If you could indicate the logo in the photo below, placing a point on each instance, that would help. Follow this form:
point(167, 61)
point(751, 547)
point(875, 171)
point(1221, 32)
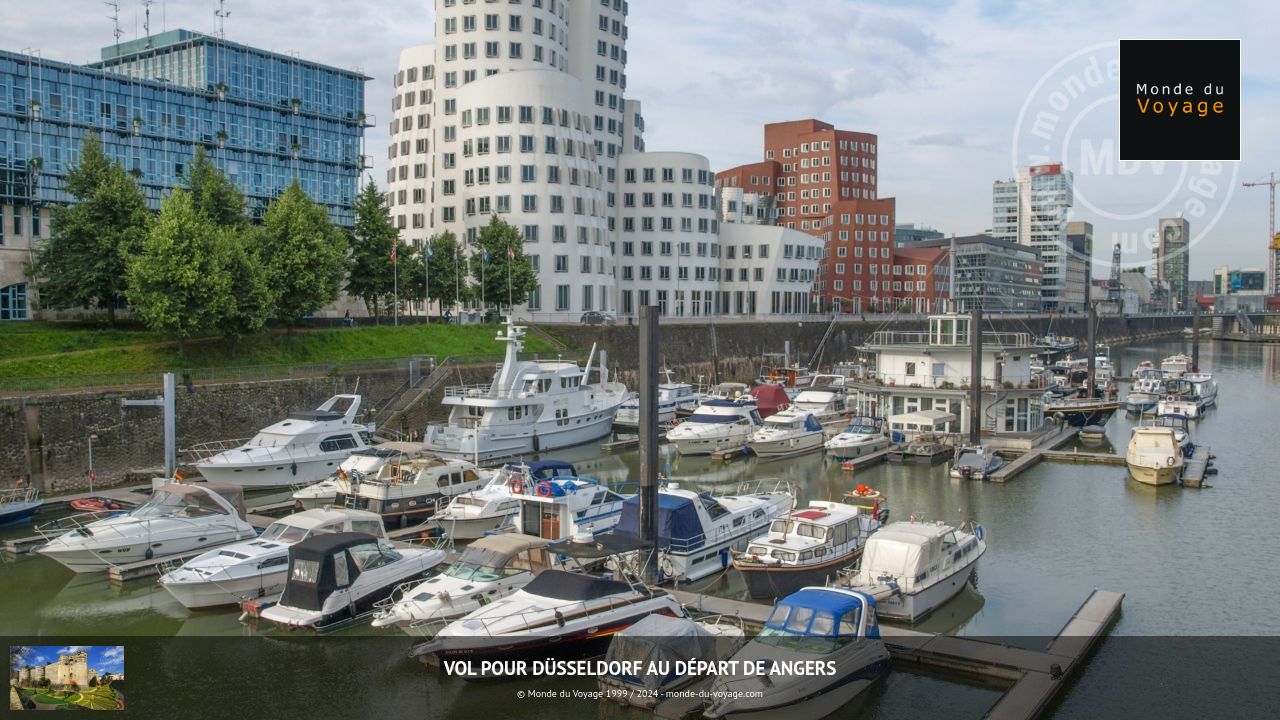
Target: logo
point(1070, 123)
point(1180, 99)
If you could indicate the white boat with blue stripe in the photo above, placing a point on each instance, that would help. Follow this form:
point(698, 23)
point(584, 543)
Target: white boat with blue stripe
point(555, 503)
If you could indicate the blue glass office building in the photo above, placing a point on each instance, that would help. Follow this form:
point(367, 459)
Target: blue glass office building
point(265, 119)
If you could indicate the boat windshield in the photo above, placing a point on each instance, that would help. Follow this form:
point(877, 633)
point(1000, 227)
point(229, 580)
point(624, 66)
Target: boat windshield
point(802, 529)
point(481, 565)
point(808, 630)
point(709, 419)
point(283, 532)
point(167, 504)
point(266, 439)
point(861, 429)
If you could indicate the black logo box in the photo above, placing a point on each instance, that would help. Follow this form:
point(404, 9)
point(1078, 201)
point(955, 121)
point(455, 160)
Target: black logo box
point(1186, 69)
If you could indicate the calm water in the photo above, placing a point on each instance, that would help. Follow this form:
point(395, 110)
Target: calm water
point(1054, 534)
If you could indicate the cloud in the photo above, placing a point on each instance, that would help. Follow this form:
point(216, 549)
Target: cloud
point(944, 139)
point(113, 653)
point(72, 649)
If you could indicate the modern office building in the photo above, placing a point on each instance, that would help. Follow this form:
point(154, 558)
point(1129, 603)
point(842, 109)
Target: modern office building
point(264, 118)
point(1241, 289)
point(907, 234)
point(823, 181)
point(1173, 260)
point(1032, 209)
point(992, 274)
point(767, 269)
point(1080, 241)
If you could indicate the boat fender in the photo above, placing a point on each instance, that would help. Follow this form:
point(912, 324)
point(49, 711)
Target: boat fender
point(544, 489)
point(559, 618)
point(1170, 398)
point(724, 557)
point(148, 554)
point(1170, 460)
point(536, 444)
point(293, 467)
point(979, 532)
point(516, 484)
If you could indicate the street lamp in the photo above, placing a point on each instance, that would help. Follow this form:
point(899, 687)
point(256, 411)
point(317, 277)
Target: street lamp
point(92, 437)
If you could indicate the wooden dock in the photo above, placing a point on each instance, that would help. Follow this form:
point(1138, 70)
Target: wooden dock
point(1197, 467)
point(875, 458)
point(731, 454)
point(626, 443)
point(1035, 676)
point(1083, 457)
point(1032, 457)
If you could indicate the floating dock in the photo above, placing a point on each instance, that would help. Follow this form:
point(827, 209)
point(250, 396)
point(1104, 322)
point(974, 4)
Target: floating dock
point(626, 443)
point(1031, 457)
point(1036, 676)
point(1197, 467)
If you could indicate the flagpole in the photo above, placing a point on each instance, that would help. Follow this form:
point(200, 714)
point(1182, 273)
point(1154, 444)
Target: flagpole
point(457, 282)
point(510, 259)
point(395, 270)
point(426, 278)
point(482, 264)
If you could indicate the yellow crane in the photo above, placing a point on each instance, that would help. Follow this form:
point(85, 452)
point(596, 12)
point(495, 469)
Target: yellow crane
point(1273, 271)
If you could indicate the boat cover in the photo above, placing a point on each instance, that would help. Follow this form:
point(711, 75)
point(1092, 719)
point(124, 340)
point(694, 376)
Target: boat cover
point(677, 519)
point(313, 574)
point(563, 585)
point(544, 469)
point(770, 398)
point(660, 638)
point(818, 611)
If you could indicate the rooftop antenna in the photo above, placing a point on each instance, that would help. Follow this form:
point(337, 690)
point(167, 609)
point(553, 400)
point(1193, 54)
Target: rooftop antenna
point(114, 17)
point(146, 20)
point(223, 13)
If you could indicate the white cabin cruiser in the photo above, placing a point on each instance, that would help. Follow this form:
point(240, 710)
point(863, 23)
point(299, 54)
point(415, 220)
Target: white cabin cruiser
point(473, 514)
point(697, 533)
point(789, 432)
point(305, 447)
point(362, 463)
point(716, 425)
point(1146, 391)
point(806, 547)
point(404, 493)
point(258, 567)
point(829, 403)
point(835, 626)
point(862, 436)
point(335, 579)
point(673, 399)
point(179, 518)
point(488, 569)
point(1175, 365)
point(531, 406)
point(555, 503)
point(912, 568)
point(975, 462)
point(1203, 387)
point(1153, 456)
point(559, 614)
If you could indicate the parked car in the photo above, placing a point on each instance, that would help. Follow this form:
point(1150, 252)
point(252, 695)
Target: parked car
point(598, 317)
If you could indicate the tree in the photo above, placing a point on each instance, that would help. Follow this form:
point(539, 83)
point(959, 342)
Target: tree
point(179, 282)
point(213, 194)
point(93, 681)
point(252, 301)
point(371, 274)
point(504, 247)
point(84, 262)
point(447, 270)
point(304, 255)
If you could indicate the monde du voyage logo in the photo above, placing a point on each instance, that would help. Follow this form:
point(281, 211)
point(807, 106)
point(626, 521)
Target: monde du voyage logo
point(1180, 99)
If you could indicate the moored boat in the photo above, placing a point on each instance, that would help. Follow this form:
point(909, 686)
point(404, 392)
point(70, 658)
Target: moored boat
point(18, 504)
point(790, 432)
point(1153, 456)
point(976, 462)
point(862, 436)
point(715, 426)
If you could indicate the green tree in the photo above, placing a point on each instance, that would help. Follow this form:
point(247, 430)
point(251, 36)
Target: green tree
point(178, 283)
point(504, 246)
point(84, 262)
point(213, 194)
point(252, 301)
point(447, 269)
point(371, 274)
point(304, 255)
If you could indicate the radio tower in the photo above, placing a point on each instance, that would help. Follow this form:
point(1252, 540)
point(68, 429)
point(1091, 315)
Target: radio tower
point(146, 20)
point(222, 14)
point(114, 17)
point(1273, 242)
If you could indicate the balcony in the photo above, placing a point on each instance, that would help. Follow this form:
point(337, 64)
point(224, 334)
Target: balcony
point(920, 338)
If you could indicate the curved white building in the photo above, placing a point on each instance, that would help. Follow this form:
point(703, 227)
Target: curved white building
point(411, 168)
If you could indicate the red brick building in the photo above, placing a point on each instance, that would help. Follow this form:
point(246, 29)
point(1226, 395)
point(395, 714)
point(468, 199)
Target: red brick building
point(823, 181)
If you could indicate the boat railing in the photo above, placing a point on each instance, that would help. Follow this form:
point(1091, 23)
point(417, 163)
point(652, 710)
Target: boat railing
point(81, 521)
point(205, 450)
point(11, 496)
point(478, 390)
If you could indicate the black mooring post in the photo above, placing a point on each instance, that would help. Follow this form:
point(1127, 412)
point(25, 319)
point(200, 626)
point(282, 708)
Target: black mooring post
point(975, 371)
point(648, 376)
point(1092, 318)
point(1195, 337)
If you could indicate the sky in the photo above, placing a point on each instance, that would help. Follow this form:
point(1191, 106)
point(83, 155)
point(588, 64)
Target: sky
point(103, 658)
point(942, 82)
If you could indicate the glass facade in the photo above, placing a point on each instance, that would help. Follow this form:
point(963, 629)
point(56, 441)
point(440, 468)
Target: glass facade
point(264, 118)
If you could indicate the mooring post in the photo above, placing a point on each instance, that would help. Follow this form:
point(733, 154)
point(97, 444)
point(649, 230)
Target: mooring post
point(1195, 337)
point(975, 370)
point(648, 377)
point(1092, 319)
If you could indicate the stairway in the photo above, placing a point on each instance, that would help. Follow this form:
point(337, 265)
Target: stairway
point(817, 352)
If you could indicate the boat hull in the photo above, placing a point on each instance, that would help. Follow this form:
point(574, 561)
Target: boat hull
point(708, 444)
point(910, 608)
point(470, 528)
point(85, 559)
point(18, 512)
point(787, 446)
point(578, 643)
point(1155, 475)
point(766, 582)
point(848, 452)
point(548, 438)
point(196, 595)
point(277, 473)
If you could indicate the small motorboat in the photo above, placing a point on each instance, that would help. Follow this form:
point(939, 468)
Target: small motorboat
point(473, 514)
point(1153, 456)
point(862, 436)
point(1093, 434)
point(836, 626)
point(790, 432)
point(928, 448)
point(336, 578)
point(716, 425)
point(975, 462)
point(94, 504)
point(871, 500)
point(18, 504)
point(664, 639)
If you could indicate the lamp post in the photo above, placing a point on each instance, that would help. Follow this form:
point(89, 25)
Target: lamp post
point(92, 437)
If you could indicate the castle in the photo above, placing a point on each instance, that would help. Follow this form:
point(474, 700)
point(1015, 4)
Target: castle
point(68, 669)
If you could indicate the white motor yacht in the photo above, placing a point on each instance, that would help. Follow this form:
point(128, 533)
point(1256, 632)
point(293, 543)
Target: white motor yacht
point(1153, 456)
point(835, 626)
point(829, 403)
point(1146, 391)
point(862, 436)
point(336, 578)
point(697, 532)
point(473, 514)
point(715, 426)
point(531, 406)
point(1175, 365)
point(409, 492)
point(555, 503)
point(806, 547)
point(305, 447)
point(1203, 387)
point(179, 518)
point(258, 567)
point(789, 432)
point(362, 463)
point(557, 614)
point(912, 568)
point(975, 462)
point(490, 568)
point(673, 398)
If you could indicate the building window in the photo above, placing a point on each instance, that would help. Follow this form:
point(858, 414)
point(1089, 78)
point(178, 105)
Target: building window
point(562, 297)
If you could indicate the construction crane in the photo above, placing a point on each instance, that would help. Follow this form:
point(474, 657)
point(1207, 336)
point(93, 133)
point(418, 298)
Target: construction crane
point(1273, 247)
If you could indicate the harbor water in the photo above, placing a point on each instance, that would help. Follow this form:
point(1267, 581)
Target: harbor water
point(1190, 563)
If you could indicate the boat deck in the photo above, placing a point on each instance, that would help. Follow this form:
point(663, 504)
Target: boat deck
point(1036, 676)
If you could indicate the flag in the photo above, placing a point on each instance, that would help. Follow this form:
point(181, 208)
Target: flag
point(427, 249)
point(511, 254)
point(177, 475)
point(486, 257)
point(393, 254)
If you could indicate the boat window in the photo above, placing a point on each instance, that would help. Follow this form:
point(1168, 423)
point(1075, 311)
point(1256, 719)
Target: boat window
point(367, 556)
point(739, 521)
point(806, 555)
point(714, 509)
point(231, 553)
point(799, 619)
point(167, 504)
point(470, 476)
point(778, 526)
point(849, 623)
point(283, 532)
point(371, 527)
point(274, 562)
point(709, 419)
point(841, 534)
point(784, 555)
point(334, 443)
point(305, 571)
point(824, 623)
point(340, 574)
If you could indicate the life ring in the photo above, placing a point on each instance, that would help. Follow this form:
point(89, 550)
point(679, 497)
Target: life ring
point(1171, 460)
point(1170, 398)
point(543, 489)
point(516, 484)
point(863, 490)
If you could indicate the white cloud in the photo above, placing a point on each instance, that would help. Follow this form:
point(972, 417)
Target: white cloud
point(72, 649)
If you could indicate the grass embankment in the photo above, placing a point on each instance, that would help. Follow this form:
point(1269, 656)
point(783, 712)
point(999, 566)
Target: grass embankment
point(45, 349)
point(94, 698)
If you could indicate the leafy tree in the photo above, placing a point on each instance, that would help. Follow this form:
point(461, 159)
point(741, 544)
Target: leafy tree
point(304, 255)
point(252, 300)
point(448, 271)
point(213, 193)
point(179, 283)
point(504, 246)
point(371, 274)
point(85, 260)
point(93, 682)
